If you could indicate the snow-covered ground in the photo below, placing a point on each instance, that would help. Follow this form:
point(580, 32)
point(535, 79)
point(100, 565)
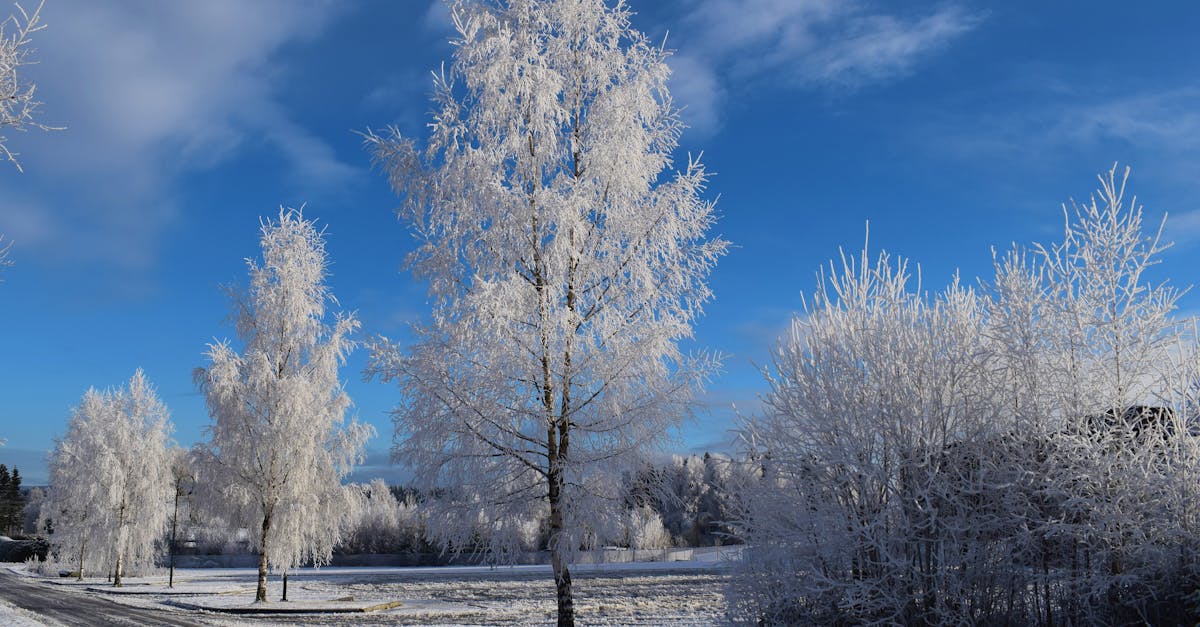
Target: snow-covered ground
point(654, 593)
point(12, 616)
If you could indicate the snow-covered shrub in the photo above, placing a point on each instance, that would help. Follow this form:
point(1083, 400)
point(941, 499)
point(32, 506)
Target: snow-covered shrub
point(383, 524)
point(1025, 453)
point(691, 495)
point(646, 531)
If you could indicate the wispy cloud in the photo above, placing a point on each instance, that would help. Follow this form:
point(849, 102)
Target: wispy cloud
point(437, 18)
point(827, 45)
point(1055, 114)
point(378, 465)
point(403, 96)
point(876, 48)
point(149, 92)
point(1153, 128)
point(1183, 229)
point(695, 87)
point(1166, 118)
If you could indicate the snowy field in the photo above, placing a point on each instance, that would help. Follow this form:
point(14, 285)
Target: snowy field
point(660, 593)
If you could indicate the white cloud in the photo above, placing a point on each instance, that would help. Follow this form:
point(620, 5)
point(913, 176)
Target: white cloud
point(1183, 228)
point(1154, 129)
point(878, 48)
point(1166, 118)
point(437, 18)
point(403, 97)
point(783, 28)
point(829, 45)
point(694, 86)
point(150, 91)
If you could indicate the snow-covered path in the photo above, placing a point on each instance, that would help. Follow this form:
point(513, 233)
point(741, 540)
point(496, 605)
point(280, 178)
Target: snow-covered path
point(614, 594)
point(60, 605)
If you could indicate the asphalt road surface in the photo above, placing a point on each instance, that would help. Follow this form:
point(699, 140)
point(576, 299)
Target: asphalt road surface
point(71, 607)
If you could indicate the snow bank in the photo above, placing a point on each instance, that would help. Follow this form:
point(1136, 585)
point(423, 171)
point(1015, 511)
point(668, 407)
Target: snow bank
point(13, 616)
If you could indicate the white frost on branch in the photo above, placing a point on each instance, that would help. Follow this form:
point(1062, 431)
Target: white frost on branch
point(5, 261)
point(18, 103)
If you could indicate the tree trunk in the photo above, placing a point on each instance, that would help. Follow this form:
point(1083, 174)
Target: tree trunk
point(171, 546)
point(1046, 584)
point(82, 548)
point(120, 546)
point(562, 571)
point(260, 595)
point(562, 585)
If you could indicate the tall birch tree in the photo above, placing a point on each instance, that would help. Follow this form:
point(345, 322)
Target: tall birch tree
point(279, 444)
point(566, 260)
point(74, 508)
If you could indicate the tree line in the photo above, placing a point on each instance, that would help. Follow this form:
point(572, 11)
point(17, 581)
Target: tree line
point(680, 502)
point(12, 501)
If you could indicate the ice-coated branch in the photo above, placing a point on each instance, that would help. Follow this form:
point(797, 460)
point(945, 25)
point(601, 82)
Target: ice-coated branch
point(18, 103)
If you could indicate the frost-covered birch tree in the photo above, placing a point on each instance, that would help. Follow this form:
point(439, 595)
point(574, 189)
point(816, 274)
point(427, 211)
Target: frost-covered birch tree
point(566, 260)
point(137, 469)
point(74, 507)
point(1115, 336)
point(279, 444)
point(110, 477)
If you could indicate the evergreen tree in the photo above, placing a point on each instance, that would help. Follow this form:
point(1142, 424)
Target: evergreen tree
point(5, 480)
point(714, 497)
point(14, 504)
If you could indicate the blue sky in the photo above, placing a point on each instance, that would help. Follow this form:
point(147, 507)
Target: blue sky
point(952, 127)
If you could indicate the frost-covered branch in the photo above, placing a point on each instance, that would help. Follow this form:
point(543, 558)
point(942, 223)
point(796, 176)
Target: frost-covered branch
point(18, 103)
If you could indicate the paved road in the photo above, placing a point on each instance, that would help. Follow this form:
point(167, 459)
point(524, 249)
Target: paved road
point(72, 607)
